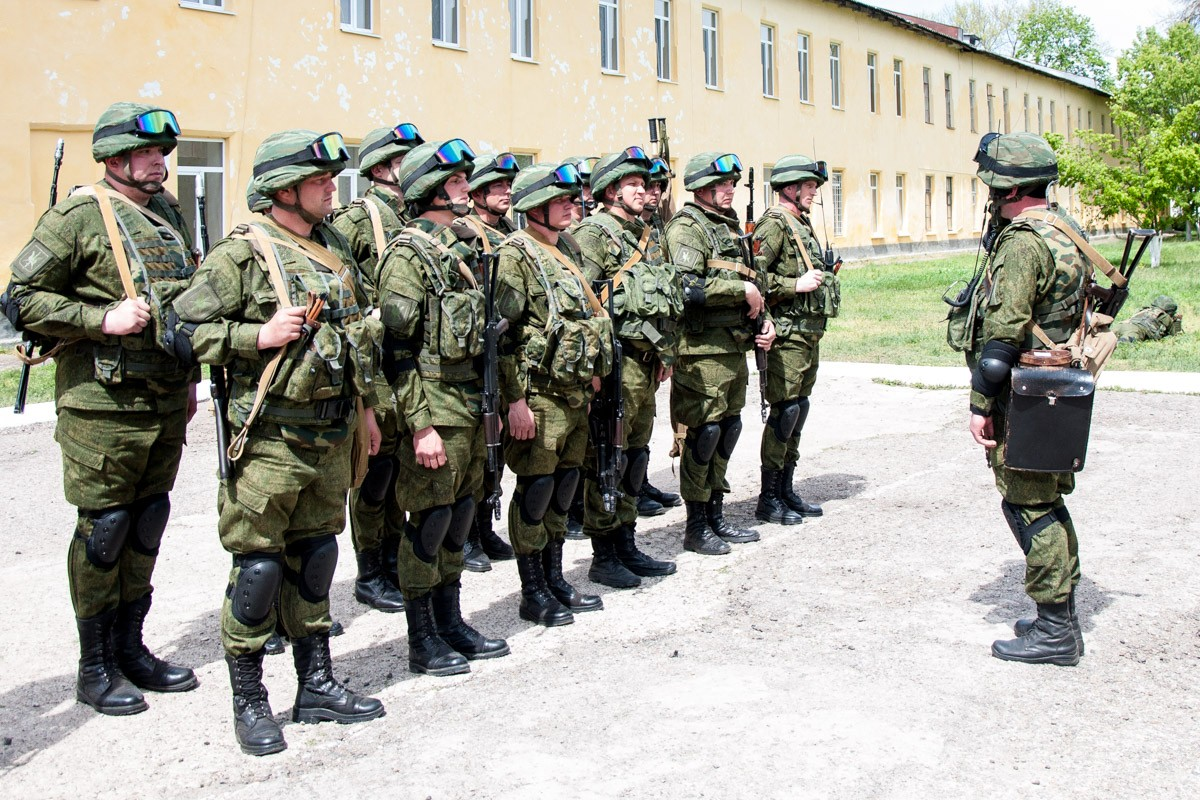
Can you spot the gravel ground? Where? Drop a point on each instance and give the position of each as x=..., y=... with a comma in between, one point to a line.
x=844, y=658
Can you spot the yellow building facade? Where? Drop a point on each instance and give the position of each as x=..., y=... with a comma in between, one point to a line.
x=894, y=107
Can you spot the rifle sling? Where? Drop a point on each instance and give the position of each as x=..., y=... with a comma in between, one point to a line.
x=593, y=301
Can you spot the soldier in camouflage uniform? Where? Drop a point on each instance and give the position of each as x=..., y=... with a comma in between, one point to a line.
x=491, y=198
x=123, y=402
x=369, y=223
x=616, y=245
x=433, y=315
x=722, y=303
x=1157, y=321
x=1036, y=276
x=558, y=346
x=298, y=385
x=802, y=298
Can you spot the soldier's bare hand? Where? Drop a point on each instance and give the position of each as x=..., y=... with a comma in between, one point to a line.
x=754, y=299
x=809, y=281
x=373, y=432
x=520, y=420
x=982, y=431
x=665, y=373
x=282, y=328
x=192, y=405
x=767, y=337
x=431, y=452
x=130, y=316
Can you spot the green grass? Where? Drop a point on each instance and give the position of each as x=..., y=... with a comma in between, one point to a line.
x=41, y=384
x=893, y=313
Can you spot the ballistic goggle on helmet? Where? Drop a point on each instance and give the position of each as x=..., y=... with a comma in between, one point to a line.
x=290, y=157
x=383, y=144
x=798, y=169
x=613, y=167
x=709, y=168
x=660, y=171
x=429, y=165
x=491, y=168
x=124, y=127
x=537, y=185
x=1015, y=159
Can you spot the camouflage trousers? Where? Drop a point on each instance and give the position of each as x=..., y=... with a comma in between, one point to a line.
x=638, y=385
x=115, y=460
x=420, y=489
x=558, y=444
x=372, y=522
x=706, y=389
x=280, y=495
x=791, y=373
x=1035, y=501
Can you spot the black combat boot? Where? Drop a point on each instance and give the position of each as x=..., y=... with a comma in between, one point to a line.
x=371, y=588
x=664, y=499
x=537, y=604
x=648, y=506
x=788, y=494
x=100, y=683
x=142, y=668
x=1051, y=640
x=607, y=569
x=496, y=548
x=575, y=517
x=320, y=697
x=428, y=653
x=697, y=537
x=635, y=560
x=454, y=631
x=389, y=559
x=771, y=507
x=564, y=592
x=257, y=732
x=1024, y=626
x=474, y=557
x=276, y=643
x=715, y=512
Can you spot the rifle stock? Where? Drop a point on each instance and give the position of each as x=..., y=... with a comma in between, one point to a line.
x=760, y=355
x=490, y=401
x=218, y=381
x=607, y=422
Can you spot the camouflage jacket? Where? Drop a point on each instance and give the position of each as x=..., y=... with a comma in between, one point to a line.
x=778, y=237
x=354, y=223
x=1151, y=322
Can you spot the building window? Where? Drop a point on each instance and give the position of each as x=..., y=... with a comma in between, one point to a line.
x=205, y=4
x=872, y=83
x=202, y=161
x=873, y=180
x=1079, y=118
x=950, y=204
x=445, y=22
x=839, y=222
x=973, y=106
x=708, y=31
x=1007, y=126
x=350, y=184
x=609, y=36
x=898, y=85
x=1025, y=107
x=1053, y=121
x=520, y=38
x=766, y=53
x=358, y=16
x=929, y=202
x=662, y=38
x=949, y=101
x=1041, y=127
x=926, y=77
x=975, y=203
x=835, y=74
x=1089, y=119
x=802, y=62
x=901, y=210
x=991, y=103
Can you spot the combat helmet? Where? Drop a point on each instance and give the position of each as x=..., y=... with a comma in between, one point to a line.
x=493, y=167
x=383, y=144
x=428, y=166
x=256, y=202
x=660, y=171
x=613, y=167
x=537, y=185
x=1165, y=303
x=798, y=169
x=584, y=164
x=1015, y=159
x=290, y=157
x=711, y=167
x=124, y=127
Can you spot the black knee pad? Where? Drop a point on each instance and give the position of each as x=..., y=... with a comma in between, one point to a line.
x=704, y=441
x=462, y=516
x=257, y=587
x=427, y=530
x=110, y=529
x=380, y=473
x=566, y=481
x=152, y=515
x=731, y=429
x=636, y=463
x=318, y=560
x=784, y=417
x=535, y=492
x=804, y=404
x=1024, y=533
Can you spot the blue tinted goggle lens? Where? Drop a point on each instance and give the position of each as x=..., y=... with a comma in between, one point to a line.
x=566, y=175
x=157, y=122
x=506, y=161
x=587, y=164
x=658, y=167
x=726, y=164
x=454, y=151
x=330, y=147
x=636, y=152
x=407, y=132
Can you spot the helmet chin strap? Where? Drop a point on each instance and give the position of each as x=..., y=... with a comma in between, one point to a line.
x=297, y=209
x=145, y=187
x=457, y=209
x=545, y=220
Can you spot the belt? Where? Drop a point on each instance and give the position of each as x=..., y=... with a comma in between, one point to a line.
x=337, y=408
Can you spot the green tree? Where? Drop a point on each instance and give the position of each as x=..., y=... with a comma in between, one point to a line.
x=1056, y=36
x=995, y=22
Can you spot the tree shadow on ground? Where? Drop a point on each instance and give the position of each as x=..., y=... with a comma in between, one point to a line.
x=1007, y=599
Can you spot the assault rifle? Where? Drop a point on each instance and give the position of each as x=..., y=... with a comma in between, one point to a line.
x=217, y=383
x=32, y=341
x=1110, y=299
x=662, y=143
x=607, y=421
x=760, y=355
x=494, y=327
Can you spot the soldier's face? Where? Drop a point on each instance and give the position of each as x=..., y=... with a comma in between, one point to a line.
x=456, y=187
x=315, y=194
x=806, y=194
x=722, y=194
x=560, y=212
x=631, y=190
x=653, y=196
x=147, y=166
x=499, y=196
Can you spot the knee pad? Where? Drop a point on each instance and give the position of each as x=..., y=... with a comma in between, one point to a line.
x=636, y=463
x=731, y=429
x=427, y=530
x=704, y=441
x=784, y=418
x=1022, y=531
x=110, y=529
x=462, y=517
x=535, y=491
x=152, y=515
x=380, y=472
x=318, y=560
x=566, y=481
x=257, y=587
x=803, y=404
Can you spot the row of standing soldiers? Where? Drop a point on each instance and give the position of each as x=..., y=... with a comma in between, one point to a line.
x=353, y=348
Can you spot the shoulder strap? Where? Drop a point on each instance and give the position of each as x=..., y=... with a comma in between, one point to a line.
x=1062, y=226
x=482, y=229
x=376, y=224
x=639, y=251
x=593, y=301
x=794, y=229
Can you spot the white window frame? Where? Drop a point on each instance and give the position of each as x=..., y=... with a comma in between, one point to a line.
x=766, y=54
x=835, y=74
x=206, y=5
x=198, y=173
x=663, y=33
x=873, y=82
x=1053, y=121
x=898, y=84
x=991, y=104
x=445, y=15
x=976, y=220
x=804, y=66
x=520, y=29
x=928, y=203
x=973, y=101
x=902, y=203
x=710, y=35
x=950, y=221
x=837, y=182
x=876, y=217
x=356, y=183
x=927, y=88
x=948, y=81
x=609, y=15
x=356, y=23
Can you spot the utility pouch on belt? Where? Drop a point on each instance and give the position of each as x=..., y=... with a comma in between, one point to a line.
x=1049, y=413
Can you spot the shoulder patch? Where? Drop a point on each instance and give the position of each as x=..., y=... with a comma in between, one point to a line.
x=32, y=260
x=688, y=257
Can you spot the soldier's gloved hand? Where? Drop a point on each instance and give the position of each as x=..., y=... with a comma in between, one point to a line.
x=373, y=433
x=282, y=328
x=767, y=337
x=754, y=299
x=130, y=316
x=192, y=405
x=431, y=452
x=520, y=420
x=982, y=431
x=809, y=281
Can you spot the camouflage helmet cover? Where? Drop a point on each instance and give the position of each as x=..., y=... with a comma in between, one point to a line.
x=1165, y=303
x=287, y=158
x=383, y=144
x=613, y=167
x=1015, y=159
x=117, y=131
x=539, y=184
x=256, y=202
x=584, y=164
x=488, y=171
x=422, y=173
x=660, y=172
x=699, y=171
x=797, y=169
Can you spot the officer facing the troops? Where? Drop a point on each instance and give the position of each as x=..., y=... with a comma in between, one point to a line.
x=369, y=223
x=123, y=399
x=280, y=303
x=1036, y=281
x=802, y=297
x=617, y=246
x=559, y=345
x=722, y=306
x=432, y=310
